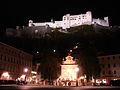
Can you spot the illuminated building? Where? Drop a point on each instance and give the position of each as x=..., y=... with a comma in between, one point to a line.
x=110, y=67
x=14, y=61
x=69, y=69
x=72, y=21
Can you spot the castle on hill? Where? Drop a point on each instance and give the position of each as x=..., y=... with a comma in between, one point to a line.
x=73, y=21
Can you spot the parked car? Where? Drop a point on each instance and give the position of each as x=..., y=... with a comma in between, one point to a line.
x=115, y=83
x=7, y=82
x=21, y=82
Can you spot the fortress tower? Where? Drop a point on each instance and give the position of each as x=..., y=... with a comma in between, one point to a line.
x=89, y=17
x=66, y=21
x=30, y=23
x=107, y=20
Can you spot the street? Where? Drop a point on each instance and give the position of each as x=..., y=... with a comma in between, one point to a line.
x=28, y=87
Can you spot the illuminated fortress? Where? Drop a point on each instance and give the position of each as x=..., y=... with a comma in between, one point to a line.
x=72, y=21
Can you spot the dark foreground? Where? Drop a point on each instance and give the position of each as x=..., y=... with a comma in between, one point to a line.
x=26, y=87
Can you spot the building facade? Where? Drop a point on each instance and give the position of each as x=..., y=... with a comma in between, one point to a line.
x=72, y=21
x=14, y=61
x=110, y=66
x=69, y=69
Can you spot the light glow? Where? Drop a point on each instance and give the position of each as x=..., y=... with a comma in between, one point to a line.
x=70, y=50
x=75, y=47
x=5, y=76
x=69, y=69
x=104, y=81
x=26, y=70
x=22, y=77
x=33, y=72
x=54, y=50
x=76, y=69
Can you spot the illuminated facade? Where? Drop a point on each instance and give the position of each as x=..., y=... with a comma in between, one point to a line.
x=110, y=66
x=69, y=69
x=72, y=21
x=14, y=62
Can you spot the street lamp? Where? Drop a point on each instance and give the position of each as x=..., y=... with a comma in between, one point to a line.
x=70, y=50
x=75, y=47
x=37, y=52
x=77, y=69
x=26, y=70
x=54, y=50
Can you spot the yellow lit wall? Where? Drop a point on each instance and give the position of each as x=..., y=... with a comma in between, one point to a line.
x=68, y=69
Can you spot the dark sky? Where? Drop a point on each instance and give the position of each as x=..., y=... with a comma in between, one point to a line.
x=18, y=12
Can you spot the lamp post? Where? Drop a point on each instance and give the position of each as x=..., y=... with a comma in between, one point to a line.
x=25, y=70
x=77, y=70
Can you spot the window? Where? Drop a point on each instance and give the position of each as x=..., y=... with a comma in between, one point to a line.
x=64, y=18
x=108, y=58
x=113, y=57
x=109, y=72
x=1, y=57
x=0, y=67
x=6, y=49
x=12, y=52
x=5, y=58
x=11, y=59
x=114, y=72
x=8, y=59
x=114, y=65
x=108, y=65
x=119, y=57
x=103, y=72
x=67, y=18
x=103, y=66
x=103, y=58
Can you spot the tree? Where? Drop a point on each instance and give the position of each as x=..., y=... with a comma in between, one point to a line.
x=88, y=62
x=50, y=68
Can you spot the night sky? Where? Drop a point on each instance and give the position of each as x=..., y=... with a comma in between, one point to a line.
x=19, y=12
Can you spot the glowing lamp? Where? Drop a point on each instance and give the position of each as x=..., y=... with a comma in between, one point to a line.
x=26, y=70
x=76, y=69
x=5, y=74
